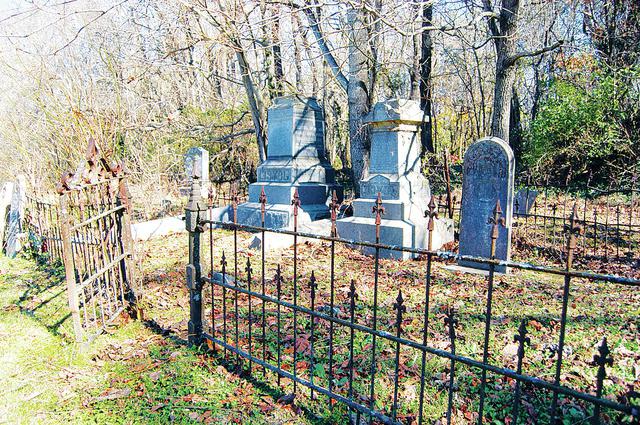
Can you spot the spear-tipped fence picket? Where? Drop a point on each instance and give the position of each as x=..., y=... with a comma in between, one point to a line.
x=258, y=335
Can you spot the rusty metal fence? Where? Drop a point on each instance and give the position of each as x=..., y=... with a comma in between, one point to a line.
x=97, y=247
x=42, y=224
x=222, y=193
x=610, y=218
x=274, y=326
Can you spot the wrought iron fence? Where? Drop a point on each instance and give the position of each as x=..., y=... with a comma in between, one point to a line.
x=280, y=328
x=97, y=246
x=42, y=223
x=222, y=193
x=610, y=218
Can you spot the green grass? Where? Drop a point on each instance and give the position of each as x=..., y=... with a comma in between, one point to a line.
x=132, y=374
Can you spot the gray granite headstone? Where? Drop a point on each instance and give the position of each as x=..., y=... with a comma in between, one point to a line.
x=16, y=216
x=487, y=177
x=295, y=160
x=394, y=172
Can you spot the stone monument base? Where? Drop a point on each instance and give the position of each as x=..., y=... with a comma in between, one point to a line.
x=403, y=224
x=396, y=232
x=279, y=216
x=467, y=264
x=392, y=232
x=282, y=193
x=474, y=269
x=278, y=211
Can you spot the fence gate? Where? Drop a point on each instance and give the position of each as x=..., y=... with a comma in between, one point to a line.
x=97, y=245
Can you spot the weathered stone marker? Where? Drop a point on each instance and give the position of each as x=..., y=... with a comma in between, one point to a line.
x=394, y=172
x=488, y=173
x=6, y=193
x=295, y=160
x=14, y=235
x=196, y=163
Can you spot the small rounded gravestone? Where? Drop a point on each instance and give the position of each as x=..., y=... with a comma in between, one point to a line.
x=488, y=174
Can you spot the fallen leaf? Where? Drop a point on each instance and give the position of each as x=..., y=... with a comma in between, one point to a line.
x=157, y=407
x=114, y=394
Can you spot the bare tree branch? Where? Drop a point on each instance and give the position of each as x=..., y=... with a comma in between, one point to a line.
x=324, y=46
x=513, y=59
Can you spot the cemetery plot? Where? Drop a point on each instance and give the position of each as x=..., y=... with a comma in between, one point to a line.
x=323, y=319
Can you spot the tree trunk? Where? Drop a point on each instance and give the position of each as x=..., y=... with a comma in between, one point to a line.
x=297, y=55
x=537, y=93
x=277, y=55
x=358, y=96
x=255, y=105
x=505, y=43
x=414, y=72
x=374, y=32
x=505, y=76
x=515, y=127
x=323, y=45
x=426, y=134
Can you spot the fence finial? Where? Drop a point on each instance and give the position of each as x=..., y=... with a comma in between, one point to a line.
x=399, y=307
x=248, y=268
x=334, y=206
x=295, y=202
x=431, y=214
x=210, y=195
x=574, y=229
x=378, y=210
x=603, y=357
x=451, y=321
x=263, y=198
x=496, y=220
x=223, y=263
x=352, y=290
x=312, y=284
x=234, y=203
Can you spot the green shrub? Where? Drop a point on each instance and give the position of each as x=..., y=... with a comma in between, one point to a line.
x=586, y=129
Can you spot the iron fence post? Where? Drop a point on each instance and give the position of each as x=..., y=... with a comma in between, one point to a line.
x=67, y=256
x=602, y=359
x=573, y=229
x=378, y=210
x=496, y=220
x=193, y=215
x=123, y=197
x=522, y=339
x=431, y=214
x=295, y=202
